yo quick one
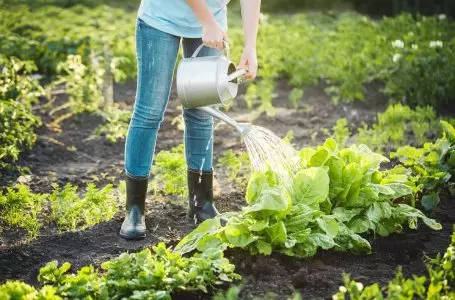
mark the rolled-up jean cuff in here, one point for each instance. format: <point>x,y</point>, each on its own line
<point>135,176</point>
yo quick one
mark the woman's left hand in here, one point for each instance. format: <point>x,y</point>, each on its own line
<point>249,61</point>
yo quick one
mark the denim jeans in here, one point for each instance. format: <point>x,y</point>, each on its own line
<point>157,53</point>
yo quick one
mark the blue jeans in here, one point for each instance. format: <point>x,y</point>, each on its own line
<point>157,53</point>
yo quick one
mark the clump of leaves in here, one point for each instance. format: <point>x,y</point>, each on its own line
<point>170,171</point>
<point>341,131</point>
<point>296,96</point>
<point>396,125</point>
<point>338,194</point>
<point>438,284</point>
<point>237,165</point>
<point>72,212</point>
<point>17,122</point>
<point>148,274</point>
<point>164,271</point>
<point>21,207</point>
<point>432,166</point>
<point>116,124</point>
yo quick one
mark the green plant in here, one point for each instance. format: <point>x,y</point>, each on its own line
<point>17,290</point>
<point>341,131</point>
<point>395,125</point>
<point>237,165</point>
<point>116,126</point>
<point>296,96</point>
<point>170,171</point>
<point>143,275</point>
<point>83,84</point>
<point>432,166</point>
<point>338,194</point>
<point>289,137</point>
<point>71,212</point>
<point>438,284</point>
<point>17,123</point>
<point>21,208</point>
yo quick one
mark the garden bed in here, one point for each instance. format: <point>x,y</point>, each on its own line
<point>55,160</point>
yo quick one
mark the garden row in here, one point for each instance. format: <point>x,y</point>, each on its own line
<point>162,273</point>
<point>85,49</point>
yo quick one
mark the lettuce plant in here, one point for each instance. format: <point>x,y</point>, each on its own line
<point>338,195</point>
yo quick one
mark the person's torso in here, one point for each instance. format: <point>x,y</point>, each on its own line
<point>176,16</point>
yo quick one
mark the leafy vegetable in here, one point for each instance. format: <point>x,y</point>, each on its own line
<point>21,207</point>
<point>337,195</point>
<point>142,275</point>
<point>432,166</point>
<point>72,212</point>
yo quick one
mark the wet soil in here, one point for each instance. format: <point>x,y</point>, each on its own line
<point>69,154</point>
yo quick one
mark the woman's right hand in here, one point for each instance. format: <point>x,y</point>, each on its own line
<point>213,35</point>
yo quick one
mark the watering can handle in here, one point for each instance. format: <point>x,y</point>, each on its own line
<point>226,50</point>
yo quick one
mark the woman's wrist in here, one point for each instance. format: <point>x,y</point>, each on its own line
<point>250,45</point>
<point>208,21</point>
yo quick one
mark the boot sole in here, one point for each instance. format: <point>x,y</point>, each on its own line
<point>134,237</point>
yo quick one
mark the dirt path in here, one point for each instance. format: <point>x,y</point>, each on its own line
<point>319,277</point>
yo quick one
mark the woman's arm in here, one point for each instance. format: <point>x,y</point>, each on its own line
<point>212,33</point>
<point>250,16</point>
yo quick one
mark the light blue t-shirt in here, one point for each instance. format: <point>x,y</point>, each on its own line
<point>177,18</point>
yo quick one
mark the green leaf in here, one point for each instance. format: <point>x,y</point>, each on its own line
<point>238,235</point>
<point>270,199</point>
<point>263,247</point>
<point>324,241</point>
<point>449,130</point>
<point>430,202</point>
<point>329,225</point>
<point>405,211</point>
<point>345,215</point>
<point>276,234</point>
<point>259,225</point>
<point>378,211</point>
<point>319,158</point>
<point>192,240</point>
<point>311,186</point>
<point>258,183</point>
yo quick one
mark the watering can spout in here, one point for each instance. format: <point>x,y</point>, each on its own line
<point>242,128</point>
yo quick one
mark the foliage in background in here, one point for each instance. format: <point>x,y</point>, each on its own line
<point>169,171</point>
<point>142,275</point>
<point>116,124</point>
<point>397,126</point>
<point>49,34</point>
<point>22,208</point>
<point>338,194</point>
<point>237,165</point>
<point>438,284</point>
<point>341,132</point>
<point>397,52</point>
<point>72,212</point>
<point>432,166</point>
<point>18,91</point>
<point>87,42</point>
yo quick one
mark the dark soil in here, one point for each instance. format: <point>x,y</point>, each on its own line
<point>53,160</point>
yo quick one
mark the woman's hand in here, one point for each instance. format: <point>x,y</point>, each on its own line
<point>249,61</point>
<point>213,35</point>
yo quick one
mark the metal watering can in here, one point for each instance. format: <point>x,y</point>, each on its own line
<point>207,82</point>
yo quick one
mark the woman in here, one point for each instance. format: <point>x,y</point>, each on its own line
<point>161,26</point>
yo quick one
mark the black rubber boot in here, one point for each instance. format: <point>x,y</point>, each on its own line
<point>200,200</point>
<point>133,227</point>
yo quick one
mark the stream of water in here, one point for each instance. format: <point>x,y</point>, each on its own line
<point>266,149</point>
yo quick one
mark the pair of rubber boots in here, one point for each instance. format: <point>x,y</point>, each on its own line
<point>200,203</point>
